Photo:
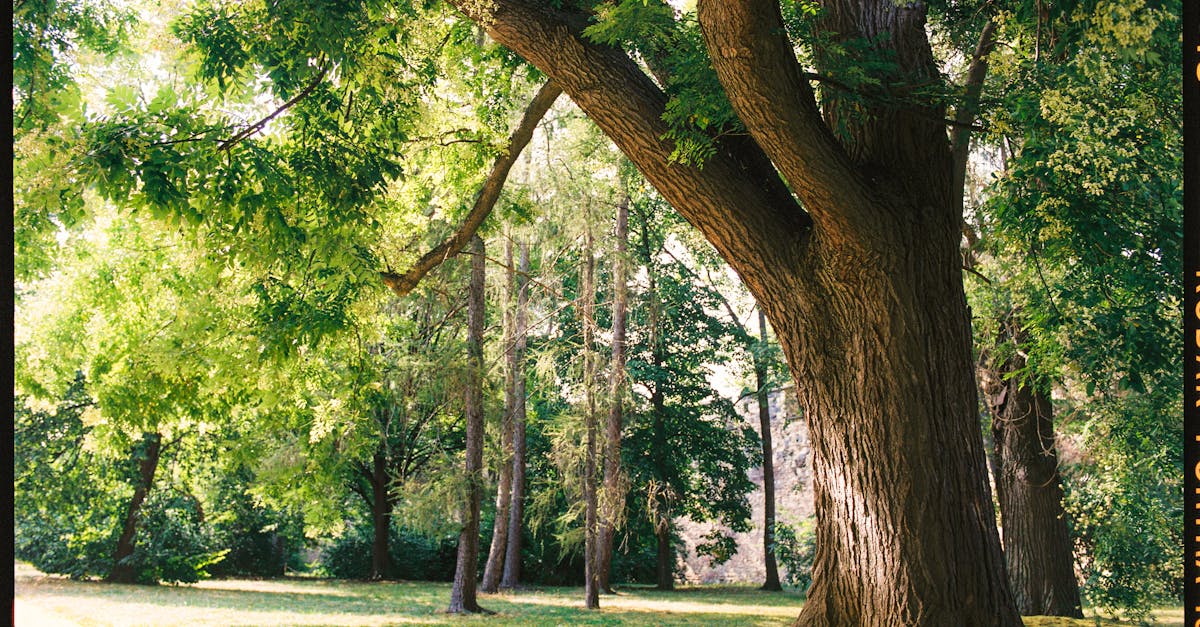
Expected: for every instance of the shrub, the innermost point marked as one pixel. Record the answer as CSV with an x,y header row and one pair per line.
x,y
795,548
414,556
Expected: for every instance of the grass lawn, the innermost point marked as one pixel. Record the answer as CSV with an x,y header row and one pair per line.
x,y
45,601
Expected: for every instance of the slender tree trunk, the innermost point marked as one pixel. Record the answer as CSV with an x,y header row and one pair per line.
x,y
516,514
381,518
462,595
1037,546
1020,447
768,467
614,494
662,493
665,570
122,571
587,296
663,517
495,562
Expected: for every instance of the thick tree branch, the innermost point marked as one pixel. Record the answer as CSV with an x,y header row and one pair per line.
x,y
770,92
402,284
732,200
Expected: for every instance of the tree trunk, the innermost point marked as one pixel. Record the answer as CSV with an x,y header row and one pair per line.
x,y
662,494
768,466
587,297
860,279
462,595
123,571
381,518
1037,546
614,494
516,514
665,567
495,562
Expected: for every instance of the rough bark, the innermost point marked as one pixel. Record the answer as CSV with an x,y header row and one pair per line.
x,y
462,594
494,568
768,466
862,286
614,494
905,530
381,518
587,297
122,571
404,283
516,513
1037,546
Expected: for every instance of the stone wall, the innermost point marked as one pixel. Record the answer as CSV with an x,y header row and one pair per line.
x,y
793,496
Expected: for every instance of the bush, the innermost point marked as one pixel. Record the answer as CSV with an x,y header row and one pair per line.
x,y
795,548
1125,506
259,541
172,543
414,556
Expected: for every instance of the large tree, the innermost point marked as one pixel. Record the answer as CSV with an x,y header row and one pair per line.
x,y
833,204
858,272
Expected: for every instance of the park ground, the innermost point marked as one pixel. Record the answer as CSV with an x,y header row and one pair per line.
x,y
50,601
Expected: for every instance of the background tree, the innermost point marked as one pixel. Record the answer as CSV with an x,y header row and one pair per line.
x,y
130,317
614,481
1079,233
462,595
516,519
686,451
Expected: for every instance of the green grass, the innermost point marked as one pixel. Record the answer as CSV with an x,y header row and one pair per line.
x,y
42,600
45,601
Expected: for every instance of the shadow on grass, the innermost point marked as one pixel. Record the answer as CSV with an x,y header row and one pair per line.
x,y
325,602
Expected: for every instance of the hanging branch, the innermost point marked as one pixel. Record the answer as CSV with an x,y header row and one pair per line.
x,y
402,284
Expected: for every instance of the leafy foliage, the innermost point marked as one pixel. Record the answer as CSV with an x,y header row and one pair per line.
x,y
795,548
685,443
415,556
1081,233
257,540
71,500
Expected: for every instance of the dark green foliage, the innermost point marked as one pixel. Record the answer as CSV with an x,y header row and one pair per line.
x,y
258,541
684,443
173,545
64,515
70,500
1125,508
795,548
414,556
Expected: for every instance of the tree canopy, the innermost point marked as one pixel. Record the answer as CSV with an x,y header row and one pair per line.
x,y
260,222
